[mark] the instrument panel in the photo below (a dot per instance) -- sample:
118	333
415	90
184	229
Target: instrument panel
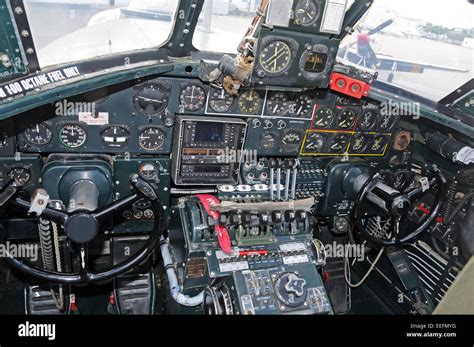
140	118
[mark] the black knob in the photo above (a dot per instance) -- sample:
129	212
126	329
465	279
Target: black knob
290	216
301	215
277	217
247	219
264	218
272	163
223	219
235	219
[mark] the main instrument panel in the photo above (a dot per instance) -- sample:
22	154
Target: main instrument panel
140	119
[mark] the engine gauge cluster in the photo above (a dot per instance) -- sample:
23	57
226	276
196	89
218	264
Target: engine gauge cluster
344	143
340	118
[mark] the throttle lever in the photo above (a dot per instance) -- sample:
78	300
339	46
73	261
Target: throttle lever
8	191
143	187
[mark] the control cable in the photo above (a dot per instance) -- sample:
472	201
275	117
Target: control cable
347	267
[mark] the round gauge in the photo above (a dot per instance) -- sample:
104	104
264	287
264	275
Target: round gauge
151	99
38	135
115	136
324	117
20	175
220	101
368	119
346	119
268	140
314	143
359	144
378	144
72	135
250	102
291	140
306	12
275	58
339	143
148	171
301	106
192	98
151	139
277	104
387	122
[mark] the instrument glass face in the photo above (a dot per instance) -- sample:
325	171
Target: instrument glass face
306	12
193	98
276	57
72	135
250	102
38	134
152	139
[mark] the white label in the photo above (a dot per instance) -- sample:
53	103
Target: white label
290	247
102	118
295	259
237	266
333	17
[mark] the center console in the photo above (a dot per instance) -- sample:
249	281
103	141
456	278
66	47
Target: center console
208	150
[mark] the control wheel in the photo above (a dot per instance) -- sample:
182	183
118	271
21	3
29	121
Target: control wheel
291	289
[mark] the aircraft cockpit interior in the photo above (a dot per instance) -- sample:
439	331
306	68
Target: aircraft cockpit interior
145	168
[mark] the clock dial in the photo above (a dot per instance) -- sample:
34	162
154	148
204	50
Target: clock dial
275	58
151	139
306	12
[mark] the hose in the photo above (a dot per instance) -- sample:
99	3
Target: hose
179	297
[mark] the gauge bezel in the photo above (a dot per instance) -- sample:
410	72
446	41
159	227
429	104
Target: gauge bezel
316	117
267	41
347	139
351	124
141	130
293	147
259	104
184	106
311	23
165	91
29	127
81	125
212	93
319	150
283	109
105	128
373	125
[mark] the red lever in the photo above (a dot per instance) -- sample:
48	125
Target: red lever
222	234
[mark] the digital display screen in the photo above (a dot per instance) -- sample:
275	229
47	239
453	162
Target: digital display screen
315	62
206	168
209	132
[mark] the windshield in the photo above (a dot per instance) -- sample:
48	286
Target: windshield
424	46
70	30
223	23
